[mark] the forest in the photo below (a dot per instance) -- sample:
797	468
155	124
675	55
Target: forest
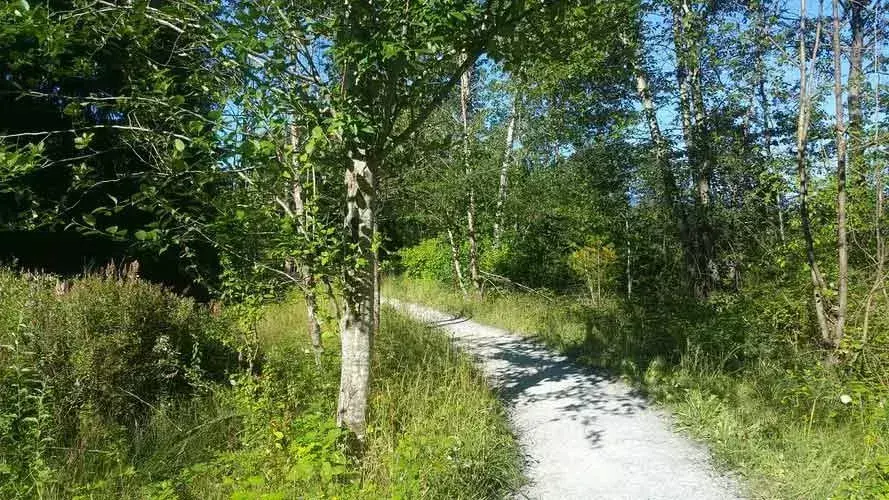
210	209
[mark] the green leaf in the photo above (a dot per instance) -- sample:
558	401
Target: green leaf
141	235
83	141
179	145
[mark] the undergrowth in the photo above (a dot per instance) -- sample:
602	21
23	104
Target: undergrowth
732	372
119	389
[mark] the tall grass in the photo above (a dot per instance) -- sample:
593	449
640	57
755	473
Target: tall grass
434	430
119	389
766	406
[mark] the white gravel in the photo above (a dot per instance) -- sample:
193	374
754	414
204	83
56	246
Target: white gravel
586	435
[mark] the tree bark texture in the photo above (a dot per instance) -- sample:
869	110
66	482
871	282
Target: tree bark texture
687	40
802	141
856	80
455	261
465	98
504	172
842	243
356	326
301	268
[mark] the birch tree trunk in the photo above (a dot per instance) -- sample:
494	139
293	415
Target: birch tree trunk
662	156
802	141
681	49
465	96
686	41
356	326
629	255
455	261
856	79
660	145
842	245
504	172
301	268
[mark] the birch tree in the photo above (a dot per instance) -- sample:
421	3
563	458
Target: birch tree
833	340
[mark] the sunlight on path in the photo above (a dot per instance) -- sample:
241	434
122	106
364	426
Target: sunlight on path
586	435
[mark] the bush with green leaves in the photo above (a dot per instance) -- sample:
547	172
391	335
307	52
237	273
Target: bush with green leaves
81	366
429	259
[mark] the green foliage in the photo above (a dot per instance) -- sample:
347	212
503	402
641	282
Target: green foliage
435	431
85	366
594	264
429	259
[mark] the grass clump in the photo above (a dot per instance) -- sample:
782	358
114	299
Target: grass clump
733	372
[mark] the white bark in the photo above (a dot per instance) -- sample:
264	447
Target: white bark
842	243
504	172
465	93
301	268
356	326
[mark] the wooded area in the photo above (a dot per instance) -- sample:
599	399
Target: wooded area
711	174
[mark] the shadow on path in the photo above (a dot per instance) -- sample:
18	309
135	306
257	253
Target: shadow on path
587	435
526	373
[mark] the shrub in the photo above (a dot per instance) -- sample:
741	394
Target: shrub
80	367
594	264
429	259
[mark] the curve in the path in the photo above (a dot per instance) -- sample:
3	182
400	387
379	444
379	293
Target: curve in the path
586	435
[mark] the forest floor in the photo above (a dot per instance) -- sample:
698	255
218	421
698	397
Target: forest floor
585	434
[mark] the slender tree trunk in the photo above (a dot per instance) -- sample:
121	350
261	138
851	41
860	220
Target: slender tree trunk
702	139
802	140
504	171
331	296
378	283
856	79
455	261
356	326
629	254
465	97
842	244
687	41
662	156
685	106
302	268
314	327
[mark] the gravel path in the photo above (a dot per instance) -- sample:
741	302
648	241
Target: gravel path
586	435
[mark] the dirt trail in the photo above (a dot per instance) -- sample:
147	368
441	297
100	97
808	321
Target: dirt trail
586	435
